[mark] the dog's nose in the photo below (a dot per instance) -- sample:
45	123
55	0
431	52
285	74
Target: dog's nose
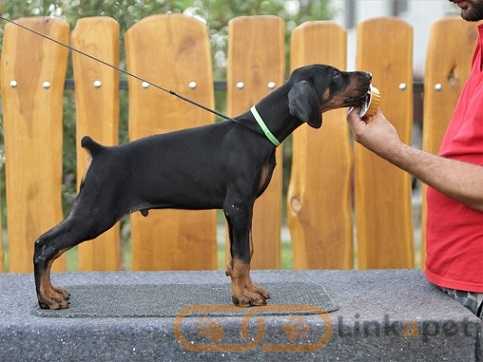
369	75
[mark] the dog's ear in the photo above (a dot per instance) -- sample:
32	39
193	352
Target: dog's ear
304	103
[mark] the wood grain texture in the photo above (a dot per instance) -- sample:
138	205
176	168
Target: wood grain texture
170	50
33	134
256	56
383	191
319	198
97	115
448	62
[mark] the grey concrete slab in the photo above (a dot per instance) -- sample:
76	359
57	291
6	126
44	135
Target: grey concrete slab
391	315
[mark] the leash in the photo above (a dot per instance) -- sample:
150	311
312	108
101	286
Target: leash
253	110
169	91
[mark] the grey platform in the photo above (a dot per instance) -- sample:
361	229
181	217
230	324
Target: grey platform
392	315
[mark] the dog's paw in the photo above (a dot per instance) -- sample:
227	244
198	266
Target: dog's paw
54	298
53	304
259	290
248	297
63	292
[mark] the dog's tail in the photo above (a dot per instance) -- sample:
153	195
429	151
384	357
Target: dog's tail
92	146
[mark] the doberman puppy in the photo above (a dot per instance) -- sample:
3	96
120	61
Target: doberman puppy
225	166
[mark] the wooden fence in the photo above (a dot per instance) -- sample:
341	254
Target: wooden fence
334	184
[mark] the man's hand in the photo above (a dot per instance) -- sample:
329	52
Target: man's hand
375	133
459	180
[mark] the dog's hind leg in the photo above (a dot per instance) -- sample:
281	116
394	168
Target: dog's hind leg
72	231
96	209
46	250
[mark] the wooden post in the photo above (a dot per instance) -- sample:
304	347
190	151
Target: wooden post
97	115
173	51
32	83
256	61
319	199
383	191
448	61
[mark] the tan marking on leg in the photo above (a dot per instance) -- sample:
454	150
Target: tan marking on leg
45	296
239	276
51	290
252	287
61	293
54	298
48	287
243	294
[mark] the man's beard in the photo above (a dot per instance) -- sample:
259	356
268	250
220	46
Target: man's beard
474	12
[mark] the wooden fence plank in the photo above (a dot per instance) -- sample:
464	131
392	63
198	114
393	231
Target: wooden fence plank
319	200
256	56
97	115
382	191
448	61
33	133
171	50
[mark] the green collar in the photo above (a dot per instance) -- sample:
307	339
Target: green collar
264	127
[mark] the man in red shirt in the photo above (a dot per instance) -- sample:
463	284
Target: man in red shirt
454	242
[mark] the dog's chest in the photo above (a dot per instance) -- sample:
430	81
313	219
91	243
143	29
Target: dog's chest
265	175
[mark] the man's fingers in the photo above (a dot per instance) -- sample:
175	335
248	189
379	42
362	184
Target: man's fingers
377	114
355	121
354	115
353	111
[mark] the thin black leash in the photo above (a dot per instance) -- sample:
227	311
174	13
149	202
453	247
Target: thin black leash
118	69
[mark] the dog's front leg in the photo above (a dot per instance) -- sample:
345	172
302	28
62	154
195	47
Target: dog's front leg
239	217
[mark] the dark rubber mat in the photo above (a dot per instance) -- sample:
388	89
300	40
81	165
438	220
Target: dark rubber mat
169	300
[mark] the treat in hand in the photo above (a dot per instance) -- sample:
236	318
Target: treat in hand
372	103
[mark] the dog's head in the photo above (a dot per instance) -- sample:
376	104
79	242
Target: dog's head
319	88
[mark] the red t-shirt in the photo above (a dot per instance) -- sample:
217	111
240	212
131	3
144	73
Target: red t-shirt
454	242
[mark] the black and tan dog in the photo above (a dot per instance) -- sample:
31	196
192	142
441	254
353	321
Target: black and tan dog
220	166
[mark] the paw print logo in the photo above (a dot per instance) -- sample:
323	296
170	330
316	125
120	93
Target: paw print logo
296	328
211	329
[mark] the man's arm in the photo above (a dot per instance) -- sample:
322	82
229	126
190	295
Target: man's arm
459	180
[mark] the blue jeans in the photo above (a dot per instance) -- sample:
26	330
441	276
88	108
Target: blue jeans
472	301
